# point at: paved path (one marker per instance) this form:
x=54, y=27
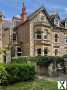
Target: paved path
x=62, y=77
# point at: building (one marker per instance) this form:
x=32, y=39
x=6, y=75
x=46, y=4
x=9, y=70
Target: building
x=5, y=37
x=40, y=34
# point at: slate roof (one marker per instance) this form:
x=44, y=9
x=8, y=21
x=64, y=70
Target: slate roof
x=49, y=17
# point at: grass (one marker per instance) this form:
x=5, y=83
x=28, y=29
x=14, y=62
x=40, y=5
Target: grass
x=35, y=85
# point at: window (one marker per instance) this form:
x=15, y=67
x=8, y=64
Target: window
x=14, y=36
x=56, y=37
x=65, y=39
x=38, y=34
x=19, y=51
x=39, y=51
x=45, y=34
x=42, y=18
x=45, y=51
x=66, y=24
x=56, y=21
x=0, y=17
x=56, y=52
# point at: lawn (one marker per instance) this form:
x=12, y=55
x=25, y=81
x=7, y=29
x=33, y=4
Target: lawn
x=35, y=85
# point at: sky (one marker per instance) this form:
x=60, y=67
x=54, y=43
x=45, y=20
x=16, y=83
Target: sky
x=12, y=8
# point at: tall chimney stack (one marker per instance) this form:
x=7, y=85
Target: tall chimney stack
x=24, y=13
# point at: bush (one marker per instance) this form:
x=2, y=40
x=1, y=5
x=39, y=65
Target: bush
x=17, y=72
x=19, y=60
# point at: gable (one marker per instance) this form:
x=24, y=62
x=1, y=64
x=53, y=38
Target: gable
x=40, y=16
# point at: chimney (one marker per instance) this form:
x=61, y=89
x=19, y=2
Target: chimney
x=24, y=14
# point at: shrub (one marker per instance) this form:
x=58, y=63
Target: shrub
x=17, y=72
x=20, y=60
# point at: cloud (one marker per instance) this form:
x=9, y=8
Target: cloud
x=66, y=10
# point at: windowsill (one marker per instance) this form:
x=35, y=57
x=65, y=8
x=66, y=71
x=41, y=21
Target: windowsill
x=42, y=39
x=38, y=39
x=45, y=39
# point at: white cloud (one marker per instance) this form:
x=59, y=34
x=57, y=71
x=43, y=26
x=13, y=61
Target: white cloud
x=66, y=10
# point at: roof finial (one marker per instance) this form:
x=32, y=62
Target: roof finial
x=24, y=14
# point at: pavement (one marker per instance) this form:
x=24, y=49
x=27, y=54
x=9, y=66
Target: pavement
x=62, y=78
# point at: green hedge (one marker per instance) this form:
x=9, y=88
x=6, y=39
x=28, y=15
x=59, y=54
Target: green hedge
x=38, y=59
x=16, y=72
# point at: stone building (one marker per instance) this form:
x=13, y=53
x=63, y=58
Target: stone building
x=40, y=34
x=5, y=36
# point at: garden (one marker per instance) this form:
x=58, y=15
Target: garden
x=21, y=73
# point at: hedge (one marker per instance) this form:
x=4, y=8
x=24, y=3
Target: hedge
x=13, y=73
x=38, y=59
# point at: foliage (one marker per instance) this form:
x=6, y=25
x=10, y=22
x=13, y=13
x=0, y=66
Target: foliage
x=65, y=56
x=16, y=72
x=38, y=59
x=19, y=60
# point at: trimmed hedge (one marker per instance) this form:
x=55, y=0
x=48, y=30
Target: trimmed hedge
x=16, y=72
x=38, y=59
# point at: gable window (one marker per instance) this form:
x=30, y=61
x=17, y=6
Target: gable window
x=39, y=51
x=56, y=37
x=56, y=22
x=56, y=52
x=43, y=18
x=45, y=51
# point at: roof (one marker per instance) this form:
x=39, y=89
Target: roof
x=37, y=11
x=31, y=16
x=6, y=24
x=49, y=17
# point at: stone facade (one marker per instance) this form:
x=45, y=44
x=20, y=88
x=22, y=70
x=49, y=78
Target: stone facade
x=38, y=35
x=5, y=36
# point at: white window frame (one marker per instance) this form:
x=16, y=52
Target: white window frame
x=45, y=33
x=17, y=50
x=66, y=24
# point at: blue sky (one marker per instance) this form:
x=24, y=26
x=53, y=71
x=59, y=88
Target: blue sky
x=10, y=10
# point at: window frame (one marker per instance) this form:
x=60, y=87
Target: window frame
x=38, y=52
x=56, y=37
x=56, y=52
x=19, y=52
x=46, y=50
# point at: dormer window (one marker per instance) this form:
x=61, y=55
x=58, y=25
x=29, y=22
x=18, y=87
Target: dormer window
x=56, y=22
x=66, y=24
